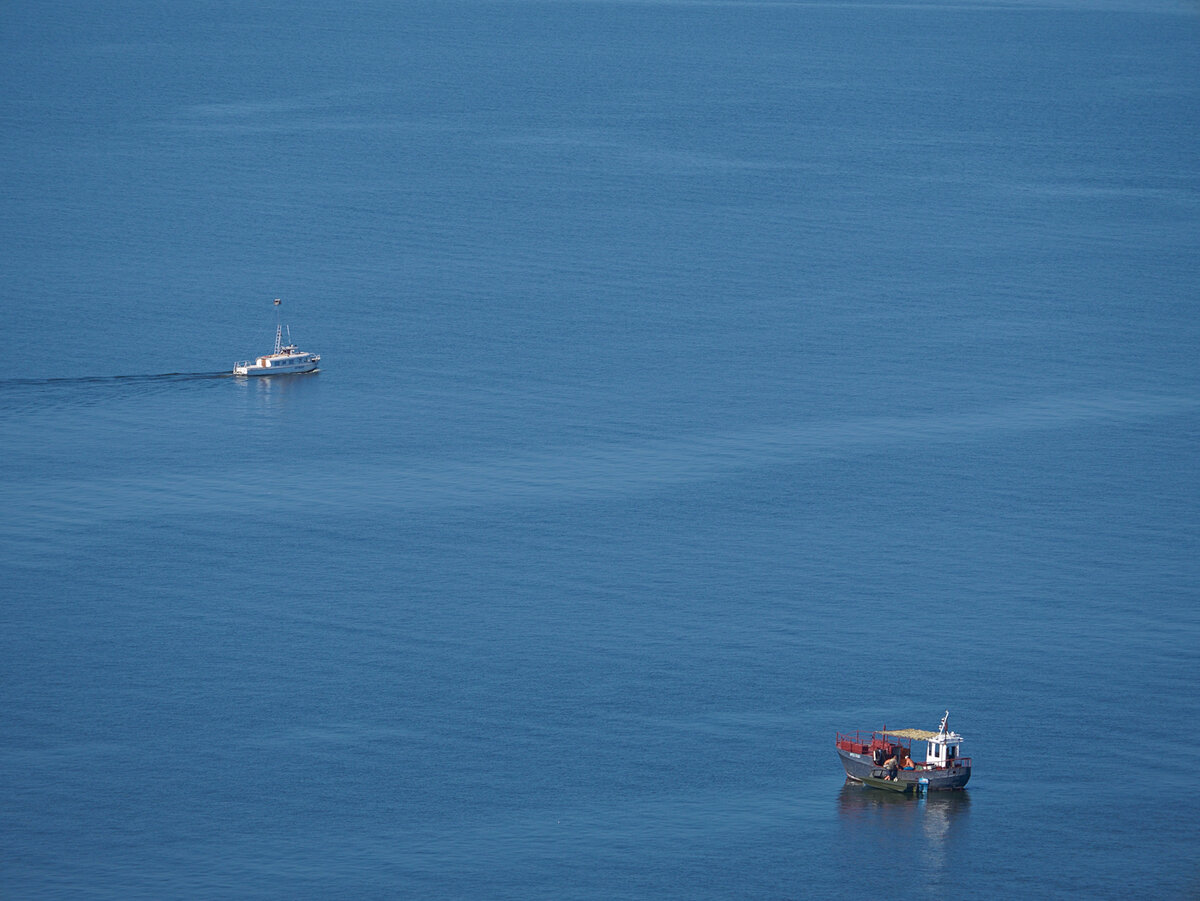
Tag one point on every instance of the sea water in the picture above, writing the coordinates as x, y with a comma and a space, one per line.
698, 379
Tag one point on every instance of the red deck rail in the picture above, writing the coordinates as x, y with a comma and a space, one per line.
866, 742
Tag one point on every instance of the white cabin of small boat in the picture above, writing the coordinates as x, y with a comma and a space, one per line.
287, 357
941, 747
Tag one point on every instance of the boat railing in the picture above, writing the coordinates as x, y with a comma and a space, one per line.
964, 762
858, 738
865, 738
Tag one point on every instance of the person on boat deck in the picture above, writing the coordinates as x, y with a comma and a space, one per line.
891, 765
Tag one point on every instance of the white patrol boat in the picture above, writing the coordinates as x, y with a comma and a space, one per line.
284, 360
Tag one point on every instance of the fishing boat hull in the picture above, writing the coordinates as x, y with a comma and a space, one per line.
859, 767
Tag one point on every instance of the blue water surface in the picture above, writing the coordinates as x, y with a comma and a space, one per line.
698, 379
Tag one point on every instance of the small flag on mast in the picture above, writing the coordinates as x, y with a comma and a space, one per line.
276, 301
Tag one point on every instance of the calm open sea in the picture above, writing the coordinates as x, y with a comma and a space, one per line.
699, 378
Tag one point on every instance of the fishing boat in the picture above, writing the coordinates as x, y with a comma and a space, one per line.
884, 760
285, 359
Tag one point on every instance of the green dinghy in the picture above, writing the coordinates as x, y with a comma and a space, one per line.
879, 779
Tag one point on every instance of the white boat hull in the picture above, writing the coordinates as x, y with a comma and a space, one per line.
274, 370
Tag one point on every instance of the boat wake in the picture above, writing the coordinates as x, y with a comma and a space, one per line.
111, 379
26, 395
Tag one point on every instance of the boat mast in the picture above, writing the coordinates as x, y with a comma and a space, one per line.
278, 329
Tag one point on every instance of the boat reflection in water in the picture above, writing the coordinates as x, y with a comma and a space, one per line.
926, 831
858, 800
276, 394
